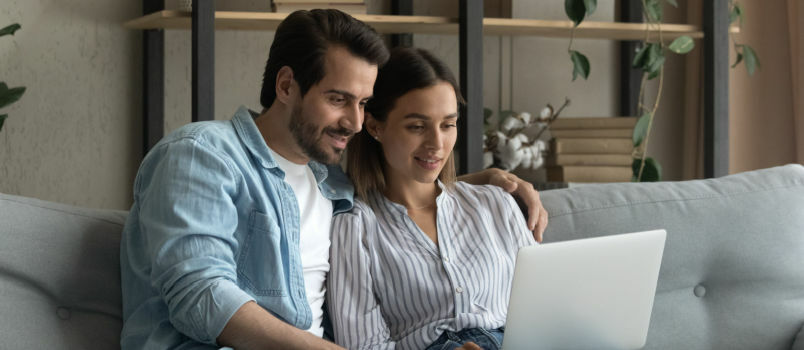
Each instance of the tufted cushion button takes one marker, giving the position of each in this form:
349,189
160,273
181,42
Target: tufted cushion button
63,313
699,291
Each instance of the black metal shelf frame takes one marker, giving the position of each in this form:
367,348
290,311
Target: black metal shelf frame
470,146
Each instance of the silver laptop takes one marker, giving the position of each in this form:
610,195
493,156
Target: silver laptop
594,293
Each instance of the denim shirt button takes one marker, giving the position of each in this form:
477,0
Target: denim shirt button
332,190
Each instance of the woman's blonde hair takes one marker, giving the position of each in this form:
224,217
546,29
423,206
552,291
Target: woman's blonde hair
407,69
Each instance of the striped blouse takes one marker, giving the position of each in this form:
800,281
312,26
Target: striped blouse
391,287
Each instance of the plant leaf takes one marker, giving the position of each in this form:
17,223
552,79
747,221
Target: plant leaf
655,61
639,58
576,10
580,65
737,13
2,120
654,10
11,29
751,59
682,45
9,96
673,2
590,6
651,173
641,129
739,59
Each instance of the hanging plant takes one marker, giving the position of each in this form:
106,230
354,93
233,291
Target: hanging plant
650,59
9,95
744,52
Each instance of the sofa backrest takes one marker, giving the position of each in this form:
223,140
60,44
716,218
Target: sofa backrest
59,276
732,274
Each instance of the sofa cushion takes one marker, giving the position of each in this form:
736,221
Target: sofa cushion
732,273
59,275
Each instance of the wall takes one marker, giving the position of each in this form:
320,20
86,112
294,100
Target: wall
74,136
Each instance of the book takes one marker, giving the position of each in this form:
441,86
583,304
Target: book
591,133
352,9
589,159
594,123
580,173
593,146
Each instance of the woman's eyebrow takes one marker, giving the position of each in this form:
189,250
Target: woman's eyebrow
425,117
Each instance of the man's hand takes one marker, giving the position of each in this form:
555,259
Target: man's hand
523,192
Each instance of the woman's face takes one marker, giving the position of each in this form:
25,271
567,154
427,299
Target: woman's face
419,134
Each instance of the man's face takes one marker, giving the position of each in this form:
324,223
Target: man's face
332,110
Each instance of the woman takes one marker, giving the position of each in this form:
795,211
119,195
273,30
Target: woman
422,261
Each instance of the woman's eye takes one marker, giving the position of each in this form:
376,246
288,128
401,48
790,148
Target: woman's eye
416,127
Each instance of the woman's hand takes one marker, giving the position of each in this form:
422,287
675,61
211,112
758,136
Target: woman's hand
469,346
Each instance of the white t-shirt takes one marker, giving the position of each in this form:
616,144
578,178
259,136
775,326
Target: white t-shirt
315,213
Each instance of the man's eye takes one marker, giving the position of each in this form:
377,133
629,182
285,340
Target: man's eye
450,125
337,99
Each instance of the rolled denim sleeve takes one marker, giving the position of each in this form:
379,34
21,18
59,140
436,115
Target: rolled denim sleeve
189,218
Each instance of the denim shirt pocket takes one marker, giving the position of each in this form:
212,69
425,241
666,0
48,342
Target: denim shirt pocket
260,264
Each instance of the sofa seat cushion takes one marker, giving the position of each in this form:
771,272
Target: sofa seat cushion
59,275
732,274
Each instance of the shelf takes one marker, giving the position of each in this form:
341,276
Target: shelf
225,20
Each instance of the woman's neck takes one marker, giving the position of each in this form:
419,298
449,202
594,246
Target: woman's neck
412,194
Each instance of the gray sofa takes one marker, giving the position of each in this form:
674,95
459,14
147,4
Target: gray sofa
732,274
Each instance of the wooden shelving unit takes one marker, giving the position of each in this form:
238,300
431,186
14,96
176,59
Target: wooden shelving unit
386,24
470,26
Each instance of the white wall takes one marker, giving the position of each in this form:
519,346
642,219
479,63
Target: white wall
74,136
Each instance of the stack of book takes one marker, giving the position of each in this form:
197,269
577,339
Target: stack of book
591,150
353,7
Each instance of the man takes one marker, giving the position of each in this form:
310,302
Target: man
227,243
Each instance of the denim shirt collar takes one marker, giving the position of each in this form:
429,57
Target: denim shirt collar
332,182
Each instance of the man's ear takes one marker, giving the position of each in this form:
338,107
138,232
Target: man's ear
284,84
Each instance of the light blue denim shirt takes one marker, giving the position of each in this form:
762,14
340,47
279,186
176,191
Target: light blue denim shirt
213,226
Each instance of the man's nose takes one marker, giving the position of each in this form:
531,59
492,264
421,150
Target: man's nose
353,118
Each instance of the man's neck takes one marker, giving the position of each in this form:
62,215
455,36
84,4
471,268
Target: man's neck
273,125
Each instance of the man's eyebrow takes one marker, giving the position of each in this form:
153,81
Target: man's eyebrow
341,92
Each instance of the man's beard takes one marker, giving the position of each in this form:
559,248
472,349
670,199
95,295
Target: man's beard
307,136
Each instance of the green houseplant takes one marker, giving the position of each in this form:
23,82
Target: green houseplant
9,95
650,59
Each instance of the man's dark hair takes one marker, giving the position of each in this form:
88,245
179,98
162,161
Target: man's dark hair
302,40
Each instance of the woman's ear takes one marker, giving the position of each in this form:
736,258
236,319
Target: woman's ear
373,126
284,84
